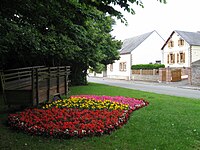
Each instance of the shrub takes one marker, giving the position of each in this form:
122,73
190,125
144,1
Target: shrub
147,66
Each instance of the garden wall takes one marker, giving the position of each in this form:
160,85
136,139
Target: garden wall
118,77
145,75
160,75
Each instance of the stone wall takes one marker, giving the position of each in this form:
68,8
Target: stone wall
152,78
195,73
145,75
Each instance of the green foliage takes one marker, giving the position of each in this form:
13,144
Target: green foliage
52,33
147,66
163,1
55,33
106,6
99,68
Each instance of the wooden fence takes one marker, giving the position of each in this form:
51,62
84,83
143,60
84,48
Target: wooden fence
175,75
33,85
146,72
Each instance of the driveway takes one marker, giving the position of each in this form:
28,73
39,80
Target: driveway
182,89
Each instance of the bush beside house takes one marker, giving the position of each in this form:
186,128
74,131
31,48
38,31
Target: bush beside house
147,66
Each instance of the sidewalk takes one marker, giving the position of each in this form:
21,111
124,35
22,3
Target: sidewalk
180,84
181,89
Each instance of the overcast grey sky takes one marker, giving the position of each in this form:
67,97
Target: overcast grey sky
164,18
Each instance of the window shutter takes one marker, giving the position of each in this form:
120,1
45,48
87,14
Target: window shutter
168,58
124,66
183,57
182,42
173,58
179,42
177,58
172,43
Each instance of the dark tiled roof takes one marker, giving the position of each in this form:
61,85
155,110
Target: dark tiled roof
192,38
130,44
196,63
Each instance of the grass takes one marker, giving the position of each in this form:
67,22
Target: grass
168,123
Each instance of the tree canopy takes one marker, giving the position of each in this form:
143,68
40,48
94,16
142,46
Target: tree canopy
64,32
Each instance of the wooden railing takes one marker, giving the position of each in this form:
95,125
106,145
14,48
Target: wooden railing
33,85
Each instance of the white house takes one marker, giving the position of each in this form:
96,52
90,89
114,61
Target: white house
142,49
181,49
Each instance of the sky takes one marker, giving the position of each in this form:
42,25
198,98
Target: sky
181,15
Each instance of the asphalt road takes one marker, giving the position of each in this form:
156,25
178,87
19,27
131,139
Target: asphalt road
160,88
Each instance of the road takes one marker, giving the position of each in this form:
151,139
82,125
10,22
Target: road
160,88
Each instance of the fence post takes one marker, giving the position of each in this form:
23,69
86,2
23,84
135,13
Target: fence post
140,71
58,80
168,75
37,86
48,83
154,71
2,86
1,81
32,85
65,80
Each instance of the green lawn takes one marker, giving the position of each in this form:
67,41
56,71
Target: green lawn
168,122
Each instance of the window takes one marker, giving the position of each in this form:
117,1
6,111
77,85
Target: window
158,61
182,57
122,66
171,58
171,44
111,67
180,42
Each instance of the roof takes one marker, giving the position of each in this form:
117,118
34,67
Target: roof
196,63
192,38
130,44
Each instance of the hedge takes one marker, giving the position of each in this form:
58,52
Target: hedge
147,66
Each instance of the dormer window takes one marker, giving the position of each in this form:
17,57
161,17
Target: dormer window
171,44
180,42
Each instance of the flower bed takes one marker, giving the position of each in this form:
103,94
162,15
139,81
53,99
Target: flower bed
83,115
133,103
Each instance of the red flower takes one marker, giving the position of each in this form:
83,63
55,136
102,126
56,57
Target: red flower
68,122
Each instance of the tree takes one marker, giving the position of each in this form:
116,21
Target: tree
50,33
106,6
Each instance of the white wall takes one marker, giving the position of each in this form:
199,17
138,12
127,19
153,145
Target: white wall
94,74
195,53
116,73
149,51
177,49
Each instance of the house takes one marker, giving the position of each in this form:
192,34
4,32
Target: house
142,49
181,49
